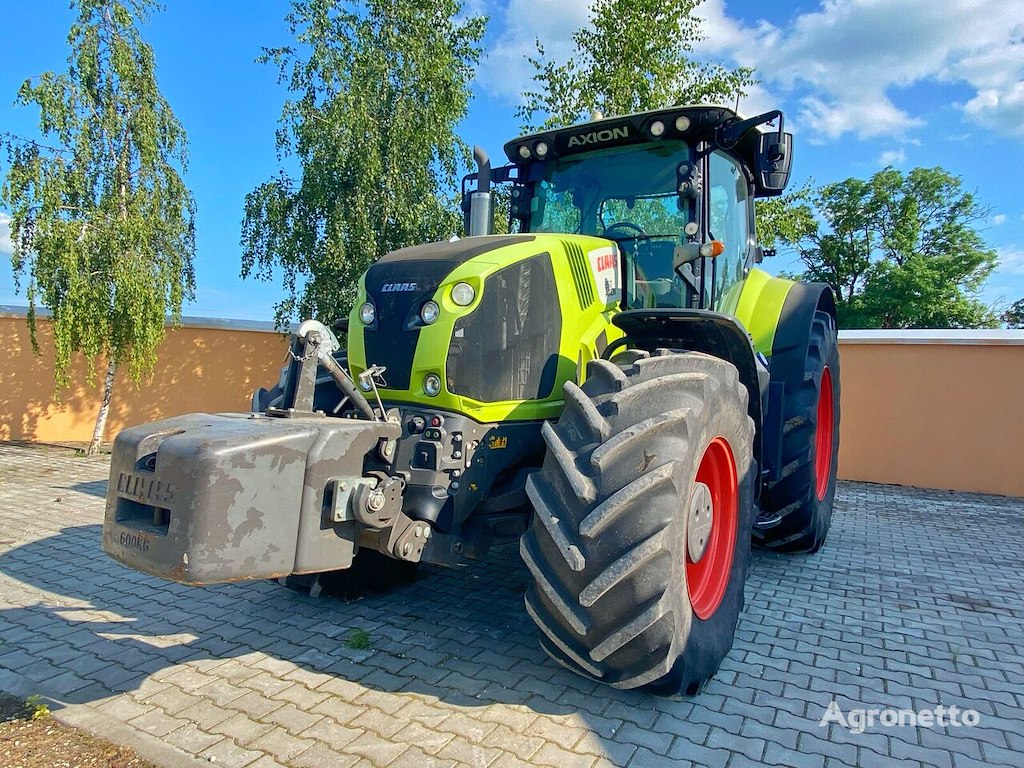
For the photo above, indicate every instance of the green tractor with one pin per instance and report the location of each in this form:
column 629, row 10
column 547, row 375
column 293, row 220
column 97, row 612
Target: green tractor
column 613, row 384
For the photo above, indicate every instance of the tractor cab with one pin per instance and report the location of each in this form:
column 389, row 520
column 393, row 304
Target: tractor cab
column 673, row 188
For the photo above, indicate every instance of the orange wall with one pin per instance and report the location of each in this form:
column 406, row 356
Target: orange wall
column 199, row 369
column 935, row 415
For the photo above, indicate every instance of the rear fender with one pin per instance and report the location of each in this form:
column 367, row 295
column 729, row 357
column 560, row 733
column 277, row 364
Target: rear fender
column 778, row 314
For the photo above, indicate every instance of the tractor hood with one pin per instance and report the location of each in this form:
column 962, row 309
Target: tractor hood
column 400, row 283
column 504, row 346
column 452, row 252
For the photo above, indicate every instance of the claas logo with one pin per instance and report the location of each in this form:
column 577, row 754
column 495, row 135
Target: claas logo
column 606, row 261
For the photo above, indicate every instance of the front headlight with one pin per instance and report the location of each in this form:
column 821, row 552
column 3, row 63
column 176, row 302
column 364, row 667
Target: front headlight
column 432, row 384
column 463, row 294
column 367, row 313
column 429, row 312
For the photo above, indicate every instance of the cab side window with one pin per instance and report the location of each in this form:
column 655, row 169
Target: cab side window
column 729, row 219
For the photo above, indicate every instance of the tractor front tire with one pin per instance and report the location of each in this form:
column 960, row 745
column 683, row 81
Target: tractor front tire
column 371, row 573
column 640, row 540
column 803, row 497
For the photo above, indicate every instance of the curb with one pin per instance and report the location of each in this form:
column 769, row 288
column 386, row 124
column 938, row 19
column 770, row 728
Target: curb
column 86, row 718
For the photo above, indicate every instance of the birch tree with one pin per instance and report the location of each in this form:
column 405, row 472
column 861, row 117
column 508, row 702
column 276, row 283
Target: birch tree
column 101, row 220
column 634, row 55
column 377, row 90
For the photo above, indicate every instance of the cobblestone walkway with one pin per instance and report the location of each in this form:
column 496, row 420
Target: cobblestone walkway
column 915, row 601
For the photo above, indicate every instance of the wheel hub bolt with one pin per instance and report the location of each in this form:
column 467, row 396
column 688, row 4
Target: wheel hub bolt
column 700, row 522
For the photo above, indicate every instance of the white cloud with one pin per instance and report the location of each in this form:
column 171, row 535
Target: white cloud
column 844, row 64
column 1011, row 260
column 892, row 157
column 725, row 41
column 846, row 61
column 998, row 75
column 504, row 71
column 999, row 218
column 722, row 33
column 6, row 246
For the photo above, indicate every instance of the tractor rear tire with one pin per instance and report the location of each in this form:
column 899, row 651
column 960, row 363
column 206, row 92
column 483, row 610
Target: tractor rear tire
column 804, row 496
column 622, row 592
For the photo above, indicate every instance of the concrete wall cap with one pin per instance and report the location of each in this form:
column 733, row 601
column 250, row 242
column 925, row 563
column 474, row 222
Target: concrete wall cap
column 982, row 337
column 187, row 321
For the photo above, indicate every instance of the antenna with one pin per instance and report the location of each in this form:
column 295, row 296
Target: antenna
column 738, row 93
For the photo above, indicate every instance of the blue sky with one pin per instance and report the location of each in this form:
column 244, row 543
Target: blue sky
column 864, row 83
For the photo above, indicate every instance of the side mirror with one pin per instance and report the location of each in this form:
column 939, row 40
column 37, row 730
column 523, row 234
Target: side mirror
column 774, row 160
column 687, row 181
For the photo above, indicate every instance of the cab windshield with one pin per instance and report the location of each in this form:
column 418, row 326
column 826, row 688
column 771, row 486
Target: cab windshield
column 630, row 190
column 626, row 194
column 629, row 195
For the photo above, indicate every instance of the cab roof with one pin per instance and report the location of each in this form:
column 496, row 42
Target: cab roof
column 695, row 123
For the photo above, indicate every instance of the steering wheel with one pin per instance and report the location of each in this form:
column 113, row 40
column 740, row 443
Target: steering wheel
column 627, row 226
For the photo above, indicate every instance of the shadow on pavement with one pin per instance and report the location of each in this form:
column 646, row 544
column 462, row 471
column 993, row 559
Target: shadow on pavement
column 460, row 636
column 870, row 621
column 96, row 488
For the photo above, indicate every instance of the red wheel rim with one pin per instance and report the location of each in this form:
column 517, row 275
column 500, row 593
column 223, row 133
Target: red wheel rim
column 823, row 436
column 707, row 579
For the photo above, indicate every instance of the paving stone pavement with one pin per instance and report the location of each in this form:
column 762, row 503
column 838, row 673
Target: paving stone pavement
column 915, row 601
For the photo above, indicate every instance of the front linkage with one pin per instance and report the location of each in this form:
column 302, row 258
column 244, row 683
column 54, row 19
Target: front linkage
column 202, row 499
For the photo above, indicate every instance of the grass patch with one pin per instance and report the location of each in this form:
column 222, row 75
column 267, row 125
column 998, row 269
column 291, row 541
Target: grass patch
column 358, row 640
column 30, row 737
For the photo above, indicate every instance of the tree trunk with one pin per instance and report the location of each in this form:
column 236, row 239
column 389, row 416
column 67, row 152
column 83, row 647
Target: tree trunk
column 101, row 417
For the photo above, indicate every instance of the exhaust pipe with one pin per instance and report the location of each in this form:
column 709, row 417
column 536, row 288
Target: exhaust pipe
column 481, row 202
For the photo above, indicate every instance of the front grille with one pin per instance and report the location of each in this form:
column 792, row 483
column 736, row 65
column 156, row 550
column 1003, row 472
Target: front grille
column 391, row 342
column 507, row 349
